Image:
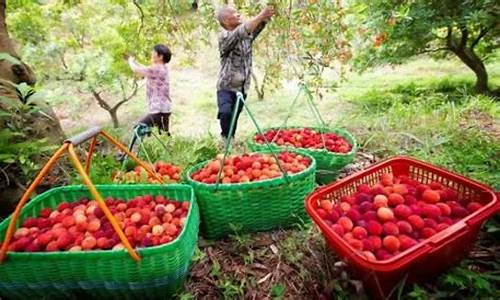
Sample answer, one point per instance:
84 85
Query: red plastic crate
429 257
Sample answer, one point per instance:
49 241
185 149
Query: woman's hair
165 53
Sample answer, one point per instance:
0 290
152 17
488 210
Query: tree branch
100 100
481 34
125 98
433 50
464 37
141 13
449 38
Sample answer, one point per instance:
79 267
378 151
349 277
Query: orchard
364 162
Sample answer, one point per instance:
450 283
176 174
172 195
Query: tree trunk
38 125
470 58
259 90
114 118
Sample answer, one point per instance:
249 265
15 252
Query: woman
157 87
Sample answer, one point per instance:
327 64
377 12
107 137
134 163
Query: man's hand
266 13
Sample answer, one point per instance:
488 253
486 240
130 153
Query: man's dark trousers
226 102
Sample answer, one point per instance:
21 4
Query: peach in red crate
417 218
385 214
391 243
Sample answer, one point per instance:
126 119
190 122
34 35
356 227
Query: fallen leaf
265 278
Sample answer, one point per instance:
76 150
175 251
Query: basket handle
313 109
84 136
241 101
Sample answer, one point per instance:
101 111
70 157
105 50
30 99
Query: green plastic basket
328 163
101 274
253 206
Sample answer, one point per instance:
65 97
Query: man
235 47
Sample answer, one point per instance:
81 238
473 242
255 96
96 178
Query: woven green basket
326 160
253 206
101 274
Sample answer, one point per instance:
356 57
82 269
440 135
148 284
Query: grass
418 109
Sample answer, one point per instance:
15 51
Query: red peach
380 201
400 189
362 198
370 215
348 236
416 222
80 218
430 223
62 206
118 247
410 199
474 206
369 256
44 238
94 225
431 196
364 188
170 208
376 241
349 199
344 206
395 199
459 212
326 205
136 217
64 240
416 209
431 211
89 243
365 206
428 232
52 246
157 230
346 223
404 227
45 213
32 247
103 243
388 190
386 179
154 221
402 211
367 245
356 244
21 232
374 227
390 228
436 185
382 254
338 229
322 213
391 243
359 233
385 214
406 242
445 209
353 214
68 221
75 249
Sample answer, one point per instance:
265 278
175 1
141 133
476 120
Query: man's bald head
228 17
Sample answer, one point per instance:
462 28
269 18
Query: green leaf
6 56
